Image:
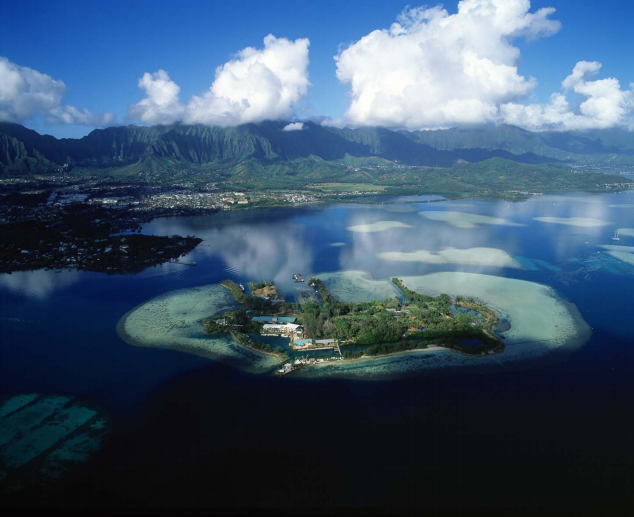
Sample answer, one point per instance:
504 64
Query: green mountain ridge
147 149
510 139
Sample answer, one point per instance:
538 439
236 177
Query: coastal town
100 228
55 222
65 225
140 202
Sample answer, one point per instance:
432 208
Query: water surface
59 332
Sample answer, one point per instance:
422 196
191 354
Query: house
279 328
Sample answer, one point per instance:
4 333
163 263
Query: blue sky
101 49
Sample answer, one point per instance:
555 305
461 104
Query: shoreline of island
200 351
227 300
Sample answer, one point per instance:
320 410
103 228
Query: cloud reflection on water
254 248
274 244
38 284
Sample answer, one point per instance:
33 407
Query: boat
616 237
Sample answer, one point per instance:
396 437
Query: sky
67 67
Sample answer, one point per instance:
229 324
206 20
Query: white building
279 328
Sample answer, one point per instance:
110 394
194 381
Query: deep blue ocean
192 432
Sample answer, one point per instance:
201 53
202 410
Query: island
346 324
347 331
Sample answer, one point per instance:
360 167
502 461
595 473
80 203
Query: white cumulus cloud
161 104
293 126
605 104
259 84
26 93
433 69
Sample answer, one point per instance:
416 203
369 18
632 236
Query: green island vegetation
237 293
264 289
259 285
357 330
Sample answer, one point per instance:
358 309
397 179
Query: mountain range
143 149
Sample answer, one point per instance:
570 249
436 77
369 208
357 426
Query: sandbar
466 220
584 222
622 253
492 257
173 321
379 226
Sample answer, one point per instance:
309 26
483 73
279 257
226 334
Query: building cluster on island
353 330
286 326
